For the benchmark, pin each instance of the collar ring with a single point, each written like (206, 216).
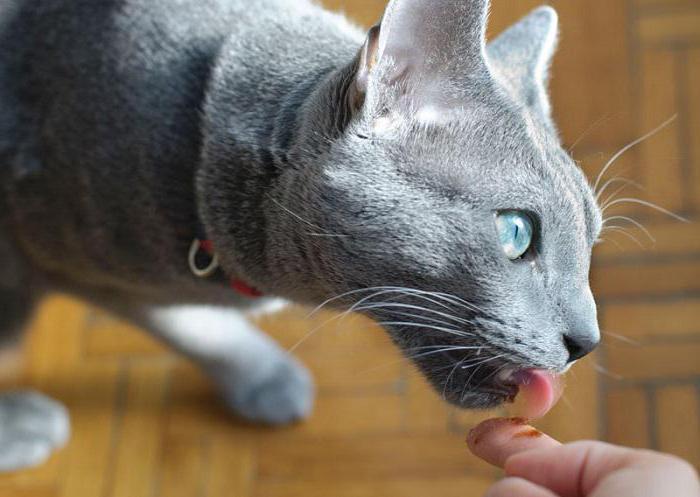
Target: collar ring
(201, 272)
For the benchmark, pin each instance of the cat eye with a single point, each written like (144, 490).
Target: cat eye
(515, 232)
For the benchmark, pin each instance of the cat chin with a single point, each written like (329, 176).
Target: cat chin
(479, 399)
(467, 390)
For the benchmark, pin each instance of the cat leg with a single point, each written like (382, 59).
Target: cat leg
(258, 379)
(32, 426)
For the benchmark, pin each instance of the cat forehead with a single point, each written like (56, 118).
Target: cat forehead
(503, 159)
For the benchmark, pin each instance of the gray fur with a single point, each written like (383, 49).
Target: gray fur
(317, 165)
(32, 426)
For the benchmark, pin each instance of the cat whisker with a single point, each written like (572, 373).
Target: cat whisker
(588, 130)
(482, 362)
(645, 203)
(476, 370)
(340, 316)
(494, 373)
(634, 222)
(326, 235)
(458, 301)
(457, 364)
(465, 364)
(301, 219)
(422, 325)
(622, 338)
(600, 369)
(452, 299)
(438, 351)
(417, 316)
(402, 292)
(611, 197)
(614, 242)
(342, 295)
(389, 305)
(624, 149)
(626, 233)
(565, 400)
(612, 181)
(423, 347)
(441, 348)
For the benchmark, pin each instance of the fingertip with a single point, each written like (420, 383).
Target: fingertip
(498, 439)
(488, 428)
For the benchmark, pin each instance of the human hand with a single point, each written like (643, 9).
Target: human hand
(536, 465)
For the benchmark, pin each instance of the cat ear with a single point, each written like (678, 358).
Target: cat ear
(520, 58)
(424, 50)
(366, 63)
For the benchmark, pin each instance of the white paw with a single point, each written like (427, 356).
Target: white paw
(32, 427)
(284, 393)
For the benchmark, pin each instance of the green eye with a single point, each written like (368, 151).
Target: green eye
(515, 232)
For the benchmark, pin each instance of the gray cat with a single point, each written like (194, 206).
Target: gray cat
(413, 173)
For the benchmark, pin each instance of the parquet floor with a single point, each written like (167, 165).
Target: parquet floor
(146, 424)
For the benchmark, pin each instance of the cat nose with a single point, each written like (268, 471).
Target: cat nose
(579, 346)
(583, 335)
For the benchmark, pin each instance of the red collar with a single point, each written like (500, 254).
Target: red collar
(207, 247)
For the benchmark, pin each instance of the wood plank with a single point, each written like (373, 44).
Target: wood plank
(671, 27)
(358, 369)
(343, 353)
(92, 403)
(692, 85)
(628, 417)
(51, 354)
(645, 362)
(28, 491)
(678, 423)
(625, 167)
(183, 471)
(672, 238)
(140, 433)
(591, 79)
(580, 401)
(55, 343)
(365, 12)
(425, 410)
(666, 4)
(194, 408)
(403, 487)
(353, 415)
(107, 337)
(660, 156)
(299, 330)
(652, 319)
(232, 465)
(384, 456)
(650, 279)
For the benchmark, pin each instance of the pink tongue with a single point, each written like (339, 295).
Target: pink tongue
(538, 392)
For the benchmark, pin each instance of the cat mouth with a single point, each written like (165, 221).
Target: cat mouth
(533, 392)
(529, 393)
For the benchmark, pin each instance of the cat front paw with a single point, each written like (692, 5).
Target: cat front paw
(282, 395)
(32, 427)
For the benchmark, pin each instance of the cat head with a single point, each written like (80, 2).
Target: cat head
(446, 208)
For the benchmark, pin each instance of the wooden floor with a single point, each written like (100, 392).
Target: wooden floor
(146, 424)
